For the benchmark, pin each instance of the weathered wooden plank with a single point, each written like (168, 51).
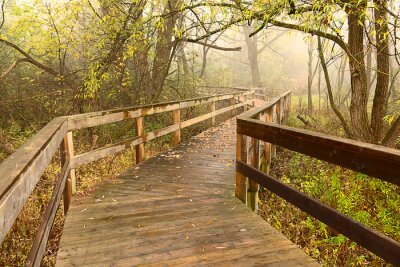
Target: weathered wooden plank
(103, 152)
(379, 244)
(20, 172)
(39, 243)
(205, 100)
(160, 132)
(80, 121)
(207, 116)
(373, 160)
(171, 210)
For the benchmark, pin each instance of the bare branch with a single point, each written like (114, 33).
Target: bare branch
(29, 59)
(13, 65)
(339, 41)
(211, 45)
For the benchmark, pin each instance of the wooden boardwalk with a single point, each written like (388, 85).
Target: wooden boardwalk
(175, 209)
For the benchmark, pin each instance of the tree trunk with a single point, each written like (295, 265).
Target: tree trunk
(359, 96)
(163, 50)
(382, 82)
(310, 75)
(319, 87)
(252, 55)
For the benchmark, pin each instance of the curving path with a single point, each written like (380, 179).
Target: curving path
(175, 209)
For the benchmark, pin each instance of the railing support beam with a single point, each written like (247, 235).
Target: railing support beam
(139, 132)
(241, 183)
(176, 117)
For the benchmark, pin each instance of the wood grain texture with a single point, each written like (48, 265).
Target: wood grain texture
(20, 172)
(374, 160)
(176, 209)
(80, 121)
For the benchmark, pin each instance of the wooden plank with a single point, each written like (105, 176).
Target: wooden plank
(103, 152)
(39, 243)
(173, 210)
(20, 172)
(252, 113)
(373, 160)
(176, 118)
(80, 121)
(379, 244)
(205, 100)
(204, 117)
(160, 132)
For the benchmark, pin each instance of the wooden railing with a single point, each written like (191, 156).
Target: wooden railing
(20, 172)
(377, 161)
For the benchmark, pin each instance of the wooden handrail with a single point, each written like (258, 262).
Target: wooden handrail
(20, 172)
(378, 161)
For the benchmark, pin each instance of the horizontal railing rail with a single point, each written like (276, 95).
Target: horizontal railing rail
(377, 161)
(20, 172)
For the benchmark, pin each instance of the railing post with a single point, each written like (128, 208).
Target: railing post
(244, 101)
(67, 194)
(241, 185)
(268, 146)
(139, 132)
(233, 102)
(70, 157)
(274, 111)
(278, 111)
(252, 192)
(176, 117)
(212, 109)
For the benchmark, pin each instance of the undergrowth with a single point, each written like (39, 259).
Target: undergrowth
(368, 200)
